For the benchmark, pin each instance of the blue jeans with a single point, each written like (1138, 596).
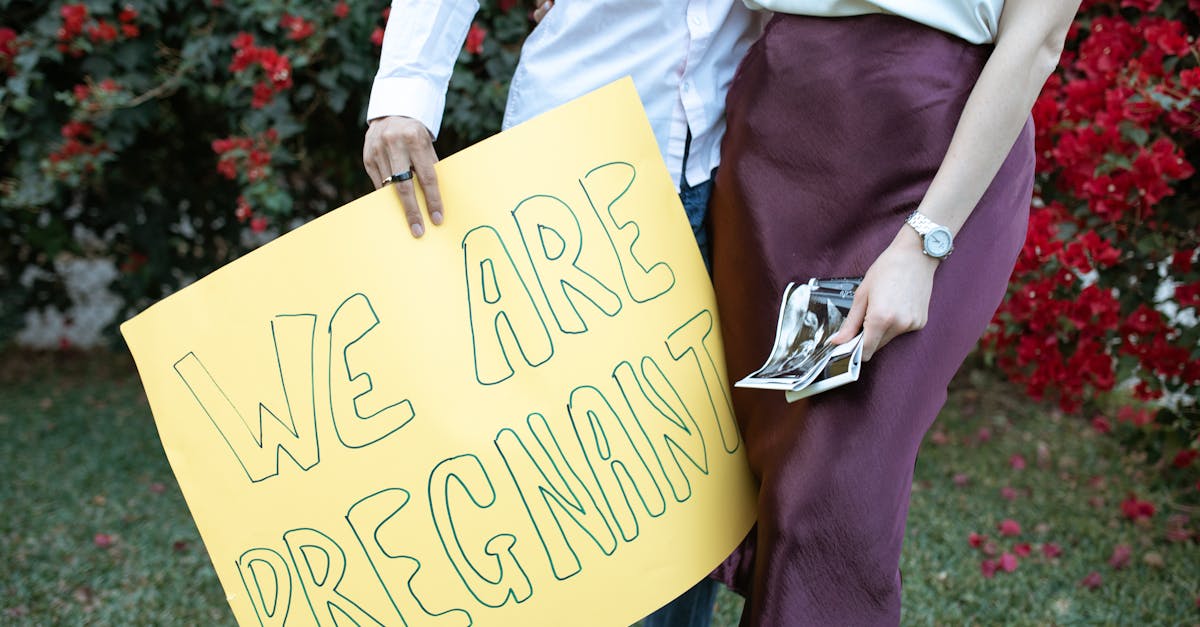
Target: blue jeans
(693, 608)
(695, 203)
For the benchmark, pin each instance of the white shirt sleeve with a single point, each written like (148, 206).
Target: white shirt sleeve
(420, 45)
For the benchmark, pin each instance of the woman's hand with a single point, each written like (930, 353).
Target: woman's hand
(894, 296)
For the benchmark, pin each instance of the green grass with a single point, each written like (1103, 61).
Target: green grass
(1069, 493)
(82, 458)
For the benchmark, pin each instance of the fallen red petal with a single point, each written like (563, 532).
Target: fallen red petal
(1120, 556)
(1009, 527)
(1092, 581)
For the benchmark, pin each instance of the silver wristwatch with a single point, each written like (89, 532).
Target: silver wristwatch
(939, 242)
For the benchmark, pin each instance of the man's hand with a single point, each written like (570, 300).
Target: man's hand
(398, 144)
(543, 6)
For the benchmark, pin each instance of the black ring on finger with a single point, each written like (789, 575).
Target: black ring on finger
(399, 177)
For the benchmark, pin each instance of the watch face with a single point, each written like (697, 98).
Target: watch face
(938, 243)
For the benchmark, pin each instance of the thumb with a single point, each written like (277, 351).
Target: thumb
(854, 320)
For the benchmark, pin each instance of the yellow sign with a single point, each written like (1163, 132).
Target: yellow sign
(521, 418)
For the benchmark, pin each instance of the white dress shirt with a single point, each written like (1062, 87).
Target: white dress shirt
(973, 20)
(680, 53)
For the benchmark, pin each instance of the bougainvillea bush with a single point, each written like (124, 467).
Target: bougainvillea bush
(1101, 313)
(145, 143)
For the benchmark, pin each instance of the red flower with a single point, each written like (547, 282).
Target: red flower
(102, 32)
(377, 36)
(1008, 562)
(243, 211)
(1009, 527)
(1109, 48)
(1184, 458)
(1188, 295)
(262, 95)
(103, 540)
(1133, 509)
(297, 27)
(475, 37)
(1051, 550)
(341, 10)
(1120, 557)
(1183, 259)
(1092, 581)
(976, 540)
(73, 15)
(1146, 6)
(227, 168)
(242, 40)
(127, 14)
(75, 130)
(258, 224)
(1023, 549)
(1143, 321)
(1169, 36)
(8, 50)
(1101, 424)
(1017, 461)
(988, 568)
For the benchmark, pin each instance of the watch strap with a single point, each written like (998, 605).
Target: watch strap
(921, 223)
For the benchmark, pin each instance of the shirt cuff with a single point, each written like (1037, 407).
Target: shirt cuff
(410, 97)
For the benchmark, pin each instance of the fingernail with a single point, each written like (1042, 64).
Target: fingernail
(417, 230)
(436, 217)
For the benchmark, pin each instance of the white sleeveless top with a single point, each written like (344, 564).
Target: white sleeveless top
(973, 20)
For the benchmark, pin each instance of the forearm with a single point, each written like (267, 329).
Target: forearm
(996, 110)
(420, 45)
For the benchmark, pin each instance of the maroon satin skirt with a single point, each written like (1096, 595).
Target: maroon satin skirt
(836, 127)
